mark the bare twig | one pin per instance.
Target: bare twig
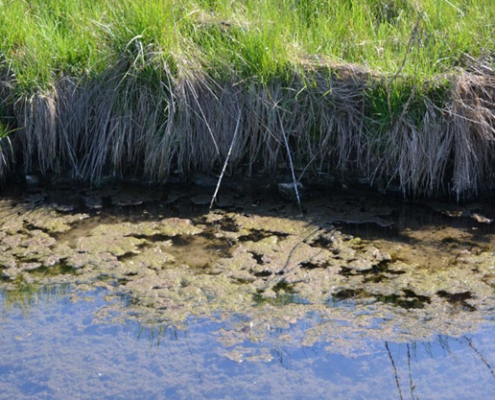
(396, 375)
(226, 161)
(290, 164)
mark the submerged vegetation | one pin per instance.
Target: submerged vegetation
(392, 90)
(259, 267)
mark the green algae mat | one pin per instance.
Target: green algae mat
(355, 275)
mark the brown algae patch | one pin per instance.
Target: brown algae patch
(272, 270)
(273, 224)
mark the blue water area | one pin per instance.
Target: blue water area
(53, 345)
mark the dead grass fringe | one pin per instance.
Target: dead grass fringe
(6, 120)
(151, 122)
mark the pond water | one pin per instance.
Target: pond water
(128, 292)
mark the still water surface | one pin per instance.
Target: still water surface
(53, 347)
(250, 301)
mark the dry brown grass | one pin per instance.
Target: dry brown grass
(6, 148)
(185, 121)
(472, 127)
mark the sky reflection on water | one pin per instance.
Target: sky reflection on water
(54, 346)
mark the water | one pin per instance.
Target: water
(165, 300)
(55, 347)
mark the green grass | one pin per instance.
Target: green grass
(42, 40)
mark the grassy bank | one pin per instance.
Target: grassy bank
(399, 90)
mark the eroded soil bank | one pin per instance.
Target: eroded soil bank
(354, 265)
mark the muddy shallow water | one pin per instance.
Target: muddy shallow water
(121, 291)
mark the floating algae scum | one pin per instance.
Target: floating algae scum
(113, 290)
(250, 299)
